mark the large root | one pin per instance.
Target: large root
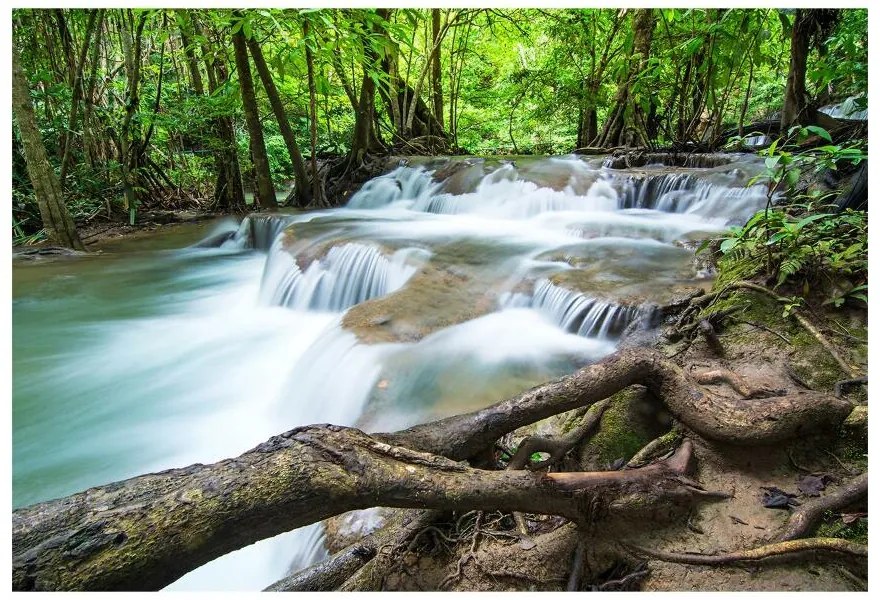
(807, 517)
(744, 422)
(803, 321)
(819, 549)
(145, 532)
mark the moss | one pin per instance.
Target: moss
(813, 364)
(624, 429)
(835, 527)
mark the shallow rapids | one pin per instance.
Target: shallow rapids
(440, 288)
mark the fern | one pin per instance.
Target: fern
(790, 266)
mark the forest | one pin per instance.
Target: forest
(583, 293)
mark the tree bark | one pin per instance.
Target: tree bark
(795, 100)
(145, 532)
(265, 190)
(57, 221)
(616, 124)
(303, 193)
(436, 70)
(313, 111)
(810, 29)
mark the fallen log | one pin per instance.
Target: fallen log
(144, 533)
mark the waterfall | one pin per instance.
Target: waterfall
(401, 184)
(575, 312)
(258, 231)
(218, 350)
(847, 110)
(686, 193)
(349, 274)
(502, 195)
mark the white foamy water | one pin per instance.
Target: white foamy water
(138, 362)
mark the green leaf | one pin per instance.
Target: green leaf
(810, 219)
(779, 235)
(703, 245)
(821, 132)
(728, 245)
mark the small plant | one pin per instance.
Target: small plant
(806, 245)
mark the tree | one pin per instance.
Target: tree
(228, 190)
(57, 221)
(265, 192)
(436, 70)
(810, 30)
(364, 138)
(617, 122)
(303, 193)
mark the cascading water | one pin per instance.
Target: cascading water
(349, 274)
(578, 313)
(132, 362)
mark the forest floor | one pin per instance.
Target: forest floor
(481, 552)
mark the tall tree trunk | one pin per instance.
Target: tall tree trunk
(810, 30)
(57, 221)
(612, 133)
(364, 139)
(130, 150)
(313, 112)
(89, 99)
(795, 101)
(303, 193)
(265, 190)
(77, 93)
(228, 190)
(436, 72)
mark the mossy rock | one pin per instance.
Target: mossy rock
(633, 419)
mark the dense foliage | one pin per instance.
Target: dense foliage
(143, 107)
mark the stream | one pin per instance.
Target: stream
(442, 287)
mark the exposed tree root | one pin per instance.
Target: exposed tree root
(840, 385)
(335, 571)
(557, 447)
(708, 331)
(706, 299)
(736, 383)
(807, 517)
(577, 567)
(758, 421)
(145, 532)
(624, 582)
(654, 448)
(392, 542)
(468, 556)
(818, 549)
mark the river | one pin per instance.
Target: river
(425, 296)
